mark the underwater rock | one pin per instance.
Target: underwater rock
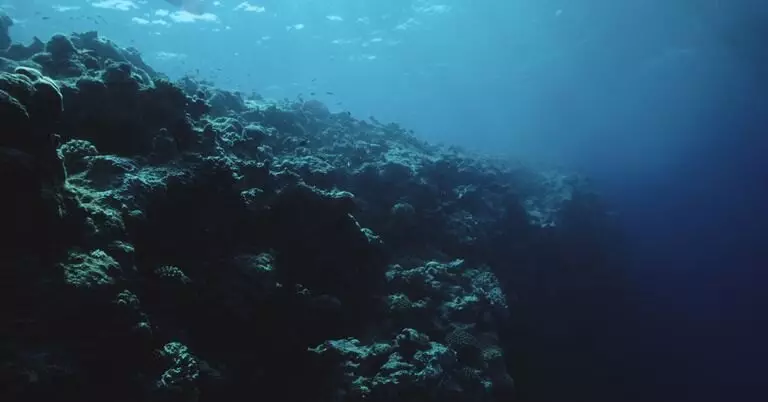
(5, 23)
(267, 241)
(23, 53)
(33, 173)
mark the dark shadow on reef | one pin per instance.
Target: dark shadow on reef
(176, 242)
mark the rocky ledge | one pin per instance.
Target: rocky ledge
(171, 241)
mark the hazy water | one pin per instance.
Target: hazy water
(661, 102)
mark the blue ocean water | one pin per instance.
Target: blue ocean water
(661, 103)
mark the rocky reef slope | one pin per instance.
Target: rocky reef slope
(175, 242)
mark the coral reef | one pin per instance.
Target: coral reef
(175, 242)
(5, 23)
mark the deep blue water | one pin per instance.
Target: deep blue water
(662, 103)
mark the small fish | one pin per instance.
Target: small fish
(329, 93)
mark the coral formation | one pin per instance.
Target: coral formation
(176, 242)
(5, 23)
